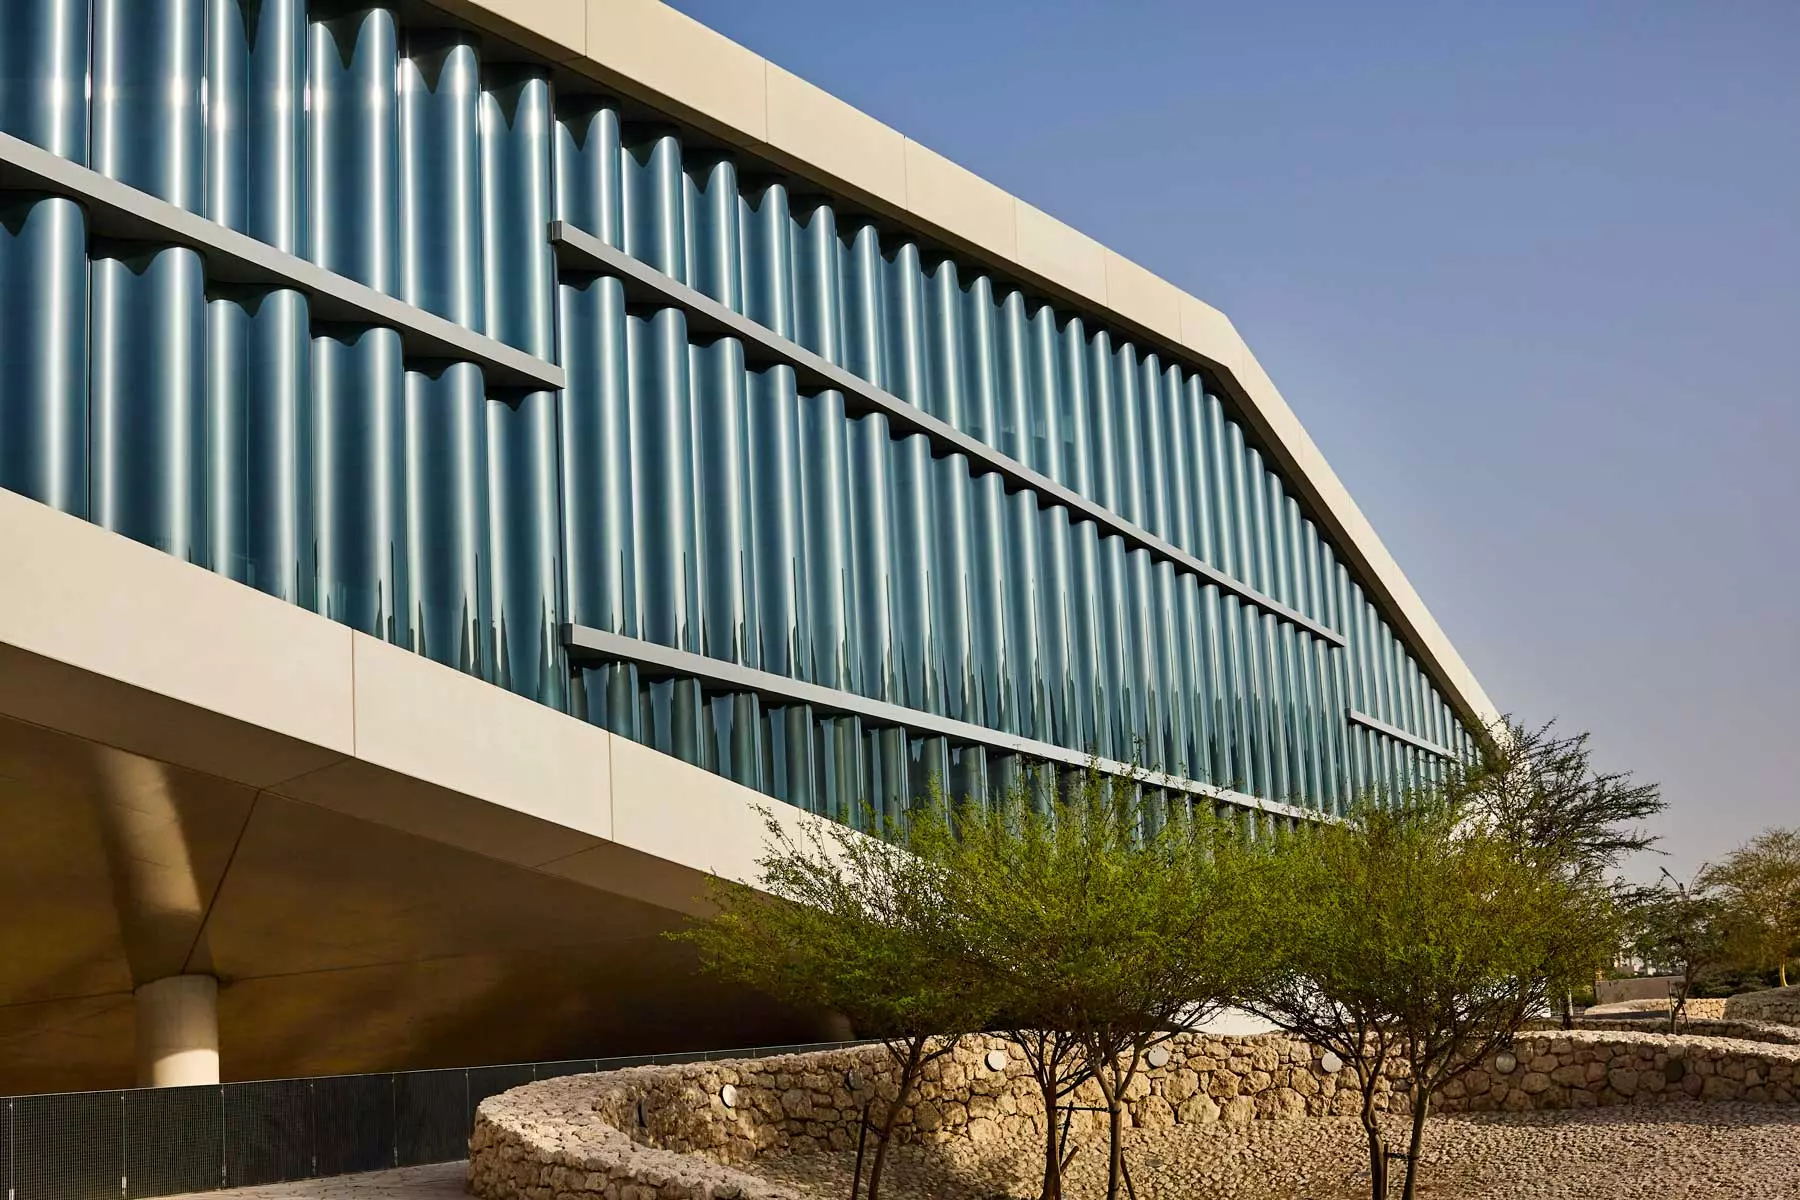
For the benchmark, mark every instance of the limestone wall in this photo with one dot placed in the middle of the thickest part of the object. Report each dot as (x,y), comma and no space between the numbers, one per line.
(1780,1005)
(1586,1069)
(669,1133)
(1748,1031)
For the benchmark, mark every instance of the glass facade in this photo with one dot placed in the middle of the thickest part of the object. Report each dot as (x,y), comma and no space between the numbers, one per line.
(674,491)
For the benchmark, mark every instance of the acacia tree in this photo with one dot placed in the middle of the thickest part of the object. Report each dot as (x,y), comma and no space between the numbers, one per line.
(1540,790)
(1758,890)
(1676,927)
(843,921)
(1414,936)
(1101,929)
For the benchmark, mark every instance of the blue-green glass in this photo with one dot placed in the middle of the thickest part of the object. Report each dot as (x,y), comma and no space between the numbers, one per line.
(518,298)
(1022,583)
(994,706)
(148,77)
(872,536)
(589,168)
(979,367)
(865,304)
(829,555)
(44,74)
(917,671)
(353,174)
(1057,639)
(360,482)
(256,78)
(903,283)
(148,397)
(260,429)
(44,350)
(670,491)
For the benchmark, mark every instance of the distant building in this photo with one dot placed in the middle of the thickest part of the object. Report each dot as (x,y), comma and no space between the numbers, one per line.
(555,427)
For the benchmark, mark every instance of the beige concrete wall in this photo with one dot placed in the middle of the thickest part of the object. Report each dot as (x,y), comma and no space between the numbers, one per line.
(388,863)
(648,51)
(127,647)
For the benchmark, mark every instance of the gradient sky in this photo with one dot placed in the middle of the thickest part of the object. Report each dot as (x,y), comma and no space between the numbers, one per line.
(1530,274)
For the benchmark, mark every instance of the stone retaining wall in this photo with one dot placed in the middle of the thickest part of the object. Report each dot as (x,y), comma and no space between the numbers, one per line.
(1780,1005)
(668,1133)
(1747,1031)
(1586,1069)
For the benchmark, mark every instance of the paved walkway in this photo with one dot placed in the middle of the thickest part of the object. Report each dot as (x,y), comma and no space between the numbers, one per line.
(1694,1151)
(440,1181)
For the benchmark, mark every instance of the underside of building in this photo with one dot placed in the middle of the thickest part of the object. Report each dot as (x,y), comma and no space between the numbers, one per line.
(462,460)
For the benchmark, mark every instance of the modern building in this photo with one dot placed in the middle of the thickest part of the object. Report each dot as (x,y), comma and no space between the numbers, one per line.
(460,457)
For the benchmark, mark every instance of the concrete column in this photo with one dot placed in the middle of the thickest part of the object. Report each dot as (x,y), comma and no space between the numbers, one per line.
(178,1031)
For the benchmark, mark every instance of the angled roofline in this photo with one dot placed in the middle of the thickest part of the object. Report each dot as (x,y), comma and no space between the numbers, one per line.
(650,53)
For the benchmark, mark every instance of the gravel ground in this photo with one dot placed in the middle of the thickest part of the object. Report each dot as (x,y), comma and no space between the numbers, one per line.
(1697,1152)
(439,1181)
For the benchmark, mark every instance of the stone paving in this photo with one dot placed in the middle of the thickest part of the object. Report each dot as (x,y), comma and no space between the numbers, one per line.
(1694,1151)
(440,1181)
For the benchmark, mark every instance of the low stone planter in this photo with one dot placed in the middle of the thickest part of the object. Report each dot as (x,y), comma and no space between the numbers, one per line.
(685,1132)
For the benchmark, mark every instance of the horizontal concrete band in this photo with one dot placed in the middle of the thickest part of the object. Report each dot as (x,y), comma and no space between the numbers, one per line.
(1397,733)
(576,248)
(657,660)
(118,210)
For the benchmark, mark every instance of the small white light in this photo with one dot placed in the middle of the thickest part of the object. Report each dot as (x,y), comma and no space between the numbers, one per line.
(853,1079)
(1330,1063)
(728,1096)
(1506,1062)
(1158,1057)
(996,1060)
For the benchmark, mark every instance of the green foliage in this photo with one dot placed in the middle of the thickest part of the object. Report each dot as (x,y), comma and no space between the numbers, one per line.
(1421,935)
(846,922)
(1758,890)
(1677,928)
(1541,791)
(843,921)
(1100,928)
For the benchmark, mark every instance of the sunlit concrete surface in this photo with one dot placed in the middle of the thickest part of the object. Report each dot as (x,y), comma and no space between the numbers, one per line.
(384,863)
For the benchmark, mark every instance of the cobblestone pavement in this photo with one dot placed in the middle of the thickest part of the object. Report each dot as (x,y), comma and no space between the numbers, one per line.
(440,1181)
(1698,1152)
(1695,1151)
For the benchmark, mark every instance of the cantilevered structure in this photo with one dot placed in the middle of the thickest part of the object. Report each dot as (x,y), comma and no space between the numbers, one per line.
(460,457)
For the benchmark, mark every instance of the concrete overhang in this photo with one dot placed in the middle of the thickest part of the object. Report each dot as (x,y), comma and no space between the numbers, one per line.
(386,862)
(647,52)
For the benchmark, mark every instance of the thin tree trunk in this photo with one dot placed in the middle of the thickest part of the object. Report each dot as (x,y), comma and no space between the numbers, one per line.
(862,1141)
(1783,970)
(1377,1151)
(1115,1144)
(1052,1189)
(909,1074)
(1421,1108)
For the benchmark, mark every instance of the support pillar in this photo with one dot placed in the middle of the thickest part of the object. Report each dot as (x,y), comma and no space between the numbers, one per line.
(178,1031)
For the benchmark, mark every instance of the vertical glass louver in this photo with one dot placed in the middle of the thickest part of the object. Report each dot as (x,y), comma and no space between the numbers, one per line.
(675,491)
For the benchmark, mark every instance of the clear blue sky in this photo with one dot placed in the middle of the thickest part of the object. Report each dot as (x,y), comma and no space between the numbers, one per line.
(1530,273)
